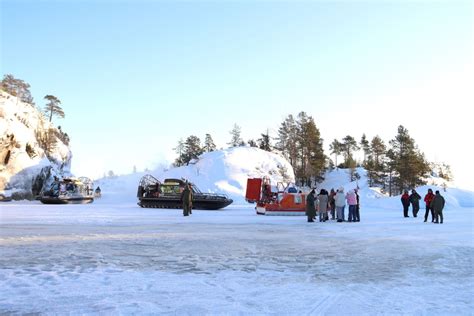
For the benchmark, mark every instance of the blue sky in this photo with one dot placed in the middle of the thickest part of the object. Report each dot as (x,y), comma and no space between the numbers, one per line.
(135,76)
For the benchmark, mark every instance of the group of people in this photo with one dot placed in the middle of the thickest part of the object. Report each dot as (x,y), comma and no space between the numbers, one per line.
(333,203)
(434,204)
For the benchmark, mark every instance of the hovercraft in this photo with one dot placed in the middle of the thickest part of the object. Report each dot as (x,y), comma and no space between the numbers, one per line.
(69,191)
(155,194)
(284,200)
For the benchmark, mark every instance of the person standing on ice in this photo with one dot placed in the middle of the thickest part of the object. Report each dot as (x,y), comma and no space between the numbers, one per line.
(340,204)
(332,203)
(310,210)
(352,201)
(428,198)
(187,199)
(406,203)
(357,210)
(437,205)
(415,202)
(323,205)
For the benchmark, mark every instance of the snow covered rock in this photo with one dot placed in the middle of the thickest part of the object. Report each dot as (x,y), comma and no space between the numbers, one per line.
(32,150)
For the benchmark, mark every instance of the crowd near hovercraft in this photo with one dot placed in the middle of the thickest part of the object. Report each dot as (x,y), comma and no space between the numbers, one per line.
(167,194)
(69,191)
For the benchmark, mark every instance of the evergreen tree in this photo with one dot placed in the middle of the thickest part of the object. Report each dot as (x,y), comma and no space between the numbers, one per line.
(310,149)
(349,145)
(17,87)
(409,165)
(192,149)
(264,142)
(287,140)
(365,146)
(236,140)
(53,107)
(252,143)
(179,149)
(335,149)
(209,143)
(375,163)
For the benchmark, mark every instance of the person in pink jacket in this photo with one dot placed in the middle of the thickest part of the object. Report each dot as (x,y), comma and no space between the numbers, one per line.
(352,201)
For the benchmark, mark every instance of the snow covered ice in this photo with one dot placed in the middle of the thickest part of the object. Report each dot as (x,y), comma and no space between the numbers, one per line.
(113,257)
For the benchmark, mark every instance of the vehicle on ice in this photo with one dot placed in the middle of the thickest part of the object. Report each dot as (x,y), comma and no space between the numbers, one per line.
(284,200)
(69,191)
(155,194)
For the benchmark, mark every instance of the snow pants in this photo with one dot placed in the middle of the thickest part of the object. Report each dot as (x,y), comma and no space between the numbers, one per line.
(428,209)
(340,213)
(352,215)
(415,209)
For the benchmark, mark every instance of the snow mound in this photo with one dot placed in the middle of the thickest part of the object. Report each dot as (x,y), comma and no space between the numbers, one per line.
(223,171)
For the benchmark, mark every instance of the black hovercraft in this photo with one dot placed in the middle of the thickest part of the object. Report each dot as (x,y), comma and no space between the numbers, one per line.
(155,194)
(69,191)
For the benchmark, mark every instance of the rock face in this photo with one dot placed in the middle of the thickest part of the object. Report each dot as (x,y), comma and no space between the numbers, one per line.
(32,150)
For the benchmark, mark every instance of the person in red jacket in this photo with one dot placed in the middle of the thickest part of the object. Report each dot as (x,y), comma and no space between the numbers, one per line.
(428,198)
(406,203)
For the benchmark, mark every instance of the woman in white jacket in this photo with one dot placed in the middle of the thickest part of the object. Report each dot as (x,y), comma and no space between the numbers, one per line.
(340,204)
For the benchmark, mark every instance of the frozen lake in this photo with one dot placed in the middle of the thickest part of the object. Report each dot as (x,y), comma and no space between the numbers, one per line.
(112,258)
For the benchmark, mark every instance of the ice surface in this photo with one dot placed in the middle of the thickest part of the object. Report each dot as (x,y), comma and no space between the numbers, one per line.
(113,257)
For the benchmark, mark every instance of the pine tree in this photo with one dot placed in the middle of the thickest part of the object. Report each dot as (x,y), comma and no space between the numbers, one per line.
(209,143)
(17,87)
(349,145)
(252,143)
(409,165)
(375,164)
(365,146)
(287,140)
(236,139)
(52,107)
(192,149)
(310,150)
(335,149)
(179,149)
(264,142)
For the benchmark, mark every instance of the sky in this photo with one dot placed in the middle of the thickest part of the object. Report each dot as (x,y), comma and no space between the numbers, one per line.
(134,77)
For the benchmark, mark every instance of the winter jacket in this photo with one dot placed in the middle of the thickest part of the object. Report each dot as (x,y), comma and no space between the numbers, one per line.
(415,198)
(428,198)
(187,196)
(310,210)
(323,203)
(351,198)
(405,199)
(437,204)
(340,199)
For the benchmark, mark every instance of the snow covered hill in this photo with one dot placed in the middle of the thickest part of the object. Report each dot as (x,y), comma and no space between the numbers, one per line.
(223,171)
(226,171)
(31,149)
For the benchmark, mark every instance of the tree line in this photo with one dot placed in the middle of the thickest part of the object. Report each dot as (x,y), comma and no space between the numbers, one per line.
(394,167)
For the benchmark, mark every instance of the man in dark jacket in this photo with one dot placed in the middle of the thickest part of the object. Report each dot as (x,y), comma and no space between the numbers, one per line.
(415,202)
(310,209)
(187,199)
(437,204)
